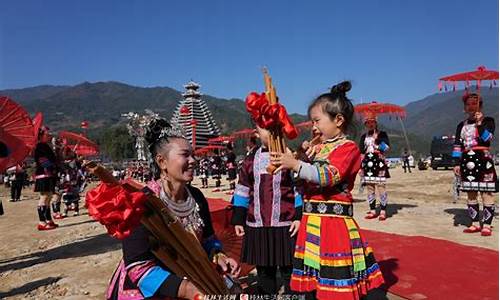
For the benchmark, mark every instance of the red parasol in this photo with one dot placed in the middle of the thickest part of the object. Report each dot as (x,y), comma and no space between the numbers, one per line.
(220,139)
(375,108)
(243,133)
(201,152)
(16,132)
(478,75)
(232,246)
(37,124)
(214,147)
(80,144)
(220,212)
(208,149)
(86,150)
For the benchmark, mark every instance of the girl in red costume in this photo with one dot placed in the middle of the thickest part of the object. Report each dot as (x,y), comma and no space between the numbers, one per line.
(331,260)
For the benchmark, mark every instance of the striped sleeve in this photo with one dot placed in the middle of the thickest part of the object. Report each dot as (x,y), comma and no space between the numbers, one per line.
(323,175)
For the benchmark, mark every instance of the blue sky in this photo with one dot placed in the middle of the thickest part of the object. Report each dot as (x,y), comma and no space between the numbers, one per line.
(393,51)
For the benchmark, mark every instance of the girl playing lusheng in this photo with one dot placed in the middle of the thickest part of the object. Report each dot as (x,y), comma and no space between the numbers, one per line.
(331,260)
(267,213)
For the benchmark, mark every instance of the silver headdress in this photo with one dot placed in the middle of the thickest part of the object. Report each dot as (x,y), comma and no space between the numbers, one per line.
(174,131)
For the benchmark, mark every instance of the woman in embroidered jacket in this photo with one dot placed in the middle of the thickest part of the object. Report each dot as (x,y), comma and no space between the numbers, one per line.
(140,275)
(374,171)
(266,212)
(45,178)
(331,260)
(474,163)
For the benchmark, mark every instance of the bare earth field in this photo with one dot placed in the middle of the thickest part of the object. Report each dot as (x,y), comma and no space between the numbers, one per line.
(76,260)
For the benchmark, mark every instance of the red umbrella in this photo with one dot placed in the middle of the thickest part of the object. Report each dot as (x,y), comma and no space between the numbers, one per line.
(231,244)
(243,133)
(478,75)
(37,124)
(221,212)
(210,148)
(201,152)
(16,132)
(375,108)
(220,139)
(76,138)
(85,150)
(80,144)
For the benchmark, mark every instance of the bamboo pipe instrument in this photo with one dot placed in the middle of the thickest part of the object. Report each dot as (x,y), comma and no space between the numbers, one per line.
(276,140)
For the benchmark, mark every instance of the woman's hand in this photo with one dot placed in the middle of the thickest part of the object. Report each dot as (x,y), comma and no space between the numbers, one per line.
(456,170)
(285,161)
(187,290)
(239,230)
(294,228)
(228,264)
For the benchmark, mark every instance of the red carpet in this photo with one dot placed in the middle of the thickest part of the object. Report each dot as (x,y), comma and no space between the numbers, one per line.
(414,267)
(417,267)
(221,219)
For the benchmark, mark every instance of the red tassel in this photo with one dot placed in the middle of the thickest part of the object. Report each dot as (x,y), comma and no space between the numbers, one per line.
(440,86)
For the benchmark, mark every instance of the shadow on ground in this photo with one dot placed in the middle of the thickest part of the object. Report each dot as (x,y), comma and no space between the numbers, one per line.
(78,223)
(90,246)
(30,286)
(461,216)
(394,208)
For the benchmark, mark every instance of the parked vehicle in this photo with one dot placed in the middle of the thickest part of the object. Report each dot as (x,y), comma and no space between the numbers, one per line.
(441,149)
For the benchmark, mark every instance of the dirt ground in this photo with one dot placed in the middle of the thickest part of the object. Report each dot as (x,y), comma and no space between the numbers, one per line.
(76,260)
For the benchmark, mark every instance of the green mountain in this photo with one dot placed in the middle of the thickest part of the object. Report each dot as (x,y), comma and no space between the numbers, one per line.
(102,104)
